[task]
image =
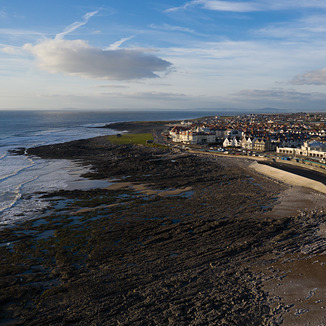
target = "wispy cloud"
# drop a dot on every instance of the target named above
(112, 86)
(158, 95)
(10, 49)
(304, 28)
(167, 27)
(117, 44)
(220, 6)
(275, 94)
(185, 6)
(231, 6)
(281, 98)
(14, 32)
(252, 6)
(71, 28)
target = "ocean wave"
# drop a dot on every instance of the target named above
(9, 199)
(3, 156)
(17, 171)
(29, 207)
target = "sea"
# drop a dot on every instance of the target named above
(23, 178)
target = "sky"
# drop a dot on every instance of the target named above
(127, 54)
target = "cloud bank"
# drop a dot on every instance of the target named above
(78, 58)
(316, 77)
(276, 94)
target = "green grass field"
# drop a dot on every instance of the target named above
(135, 139)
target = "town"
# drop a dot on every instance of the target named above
(295, 135)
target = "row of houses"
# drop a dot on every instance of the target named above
(249, 143)
(200, 135)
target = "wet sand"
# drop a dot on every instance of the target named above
(302, 287)
(294, 200)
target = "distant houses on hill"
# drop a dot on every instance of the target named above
(249, 143)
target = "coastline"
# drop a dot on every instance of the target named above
(194, 255)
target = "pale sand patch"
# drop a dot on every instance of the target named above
(86, 210)
(287, 177)
(143, 188)
(147, 190)
(119, 185)
(174, 192)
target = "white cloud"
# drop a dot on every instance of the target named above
(246, 6)
(167, 27)
(158, 95)
(18, 32)
(308, 27)
(185, 6)
(117, 44)
(78, 58)
(316, 77)
(216, 5)
(231, 6)
(75, 25)
(112, 86)
(11, 49)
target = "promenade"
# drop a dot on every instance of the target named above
(288, 177)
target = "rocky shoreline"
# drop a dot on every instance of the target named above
(180, 240)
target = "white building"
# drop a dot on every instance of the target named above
(232, 142)
(310, 149)
(247, 143)
(203, 135)
(192, 136)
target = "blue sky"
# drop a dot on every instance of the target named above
(163, 54)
